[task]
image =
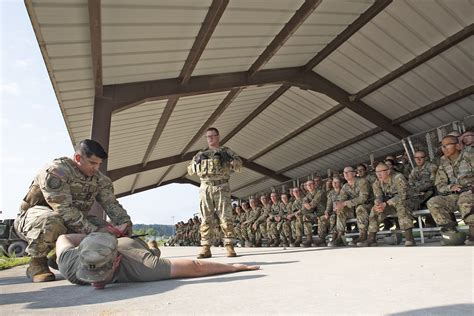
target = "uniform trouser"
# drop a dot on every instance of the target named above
(215, 199)
(361, 214)
(251, 233)
(400, 209)
(303, 226)
(244, 231)
(237, 231)
(273, 230)
(261, 231)
(326, 225)
(285, 229)
(441, 207)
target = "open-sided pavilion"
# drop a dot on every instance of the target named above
(294, 86)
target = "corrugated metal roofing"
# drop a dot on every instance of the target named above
(151, 40)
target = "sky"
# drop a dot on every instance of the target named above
(33, 132)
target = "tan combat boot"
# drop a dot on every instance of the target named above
(205, 252)
(470, 239)
(276, 242)
(362, 241)
(230, 250)
(372, 240)
(337, 240)
(298, 241)
(409, 240)
(38, 270)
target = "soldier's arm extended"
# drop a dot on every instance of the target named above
(57, 193)
(402, 190)
(363, 194)
(106, 199)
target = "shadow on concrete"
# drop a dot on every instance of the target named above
(75, 295)
(14, 280)
(456, 309)
(257, 263)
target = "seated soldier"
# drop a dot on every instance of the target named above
(296, 217)
(254, 213)
(243, 225)
(101, 258)
(327, 222)
(314, 205)
(391, 198)
(274, 219)
(454, 181)
(354, 198)
(260, 224)
(284, 227)
(467, 138)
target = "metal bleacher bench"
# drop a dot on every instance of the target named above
(418, 214)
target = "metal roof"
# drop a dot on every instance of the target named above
(294, 86)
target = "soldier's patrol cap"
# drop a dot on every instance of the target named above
(97, 253)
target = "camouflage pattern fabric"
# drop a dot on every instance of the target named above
(357, 200)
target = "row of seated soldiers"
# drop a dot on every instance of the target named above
(444, 188)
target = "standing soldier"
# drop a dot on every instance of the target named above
(214, 165)
(391, 198)
(454, 181)
(59, 200)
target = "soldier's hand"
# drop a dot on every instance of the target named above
(128, 231)
(456, 188)
(307, 206)
(326, 215)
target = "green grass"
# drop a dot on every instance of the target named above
(10, 262)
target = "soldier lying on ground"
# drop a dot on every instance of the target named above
(101, 258)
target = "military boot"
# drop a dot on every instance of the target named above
(270, 242)
(284, 242)
(298, 241)
(276, 242)
(409, 240)
(205, 252)
(230, 250)
(362, 241)
(38, 270)
(320, 241)
(308, 242)
(470, 239)
(372, 240)
(451, 237)
(337, 240)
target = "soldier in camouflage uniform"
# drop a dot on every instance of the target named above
(454, 181)
(243, 224)
(59, 200)
(284, 227)
(313, 208)
(214, 165)
(391, 197)
(327, 222)
(354, 198)
(252, 216)
(274, 219)
(260, 224)
(296, 216)
(363, 173)
(468, 140)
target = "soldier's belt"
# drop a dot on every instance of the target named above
(214, 182)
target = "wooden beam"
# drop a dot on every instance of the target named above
(298, 131)
(306, 9)
(332, 149)
(127, 95)
(264, 170)
(217, 113)
(417, 61)
(154, 164)
(313, 81)
(272, 98)
(101, 123)
(95, 27)
(211, 20)
(363, 19)
(435, 105)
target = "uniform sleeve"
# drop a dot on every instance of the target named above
(56, 191)
(236, 161)
(329, 203)
(363, 194)
(402, 190)
(377, 190)
(442, 181)
(317, 199)
(106, 199)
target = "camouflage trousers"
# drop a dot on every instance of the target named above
(303, 226)
(441, 206)
(251, 232)
(215, 199)
(244, 231)
(237, 232)
(361, 214)
(400, 209)
(274, 229)
(284, 227)
(40, 227)
(326, 225)
(261, 231)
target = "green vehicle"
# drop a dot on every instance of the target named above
(10, 243)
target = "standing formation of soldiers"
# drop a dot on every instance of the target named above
(290, 218)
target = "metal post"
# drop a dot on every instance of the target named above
(406, 149)
(430, 147)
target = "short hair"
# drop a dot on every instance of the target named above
(212, 129)
(89, 147)
(362, 165)
(452, 137)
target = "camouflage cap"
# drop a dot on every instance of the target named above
(97, 253)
